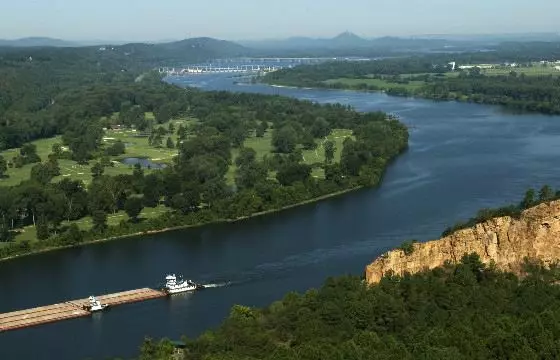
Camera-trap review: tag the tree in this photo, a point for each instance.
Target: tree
(320, 128)
(546, 194)
(157, 141)
(246, 156)
(170, 144)
(249, 175)
(185, 202)
(41, 173)
(181, 132)
(118, 148)
(3, 167)
(57, 149)
(261, 129)
(97, 170)
(29, 153)
(133, 207)
(99, 219)
(529, 199)
(42, 229)
(285, 139)
(293, 172)
(75, 197)
(152, 190)
(330, 149)
(308, 141)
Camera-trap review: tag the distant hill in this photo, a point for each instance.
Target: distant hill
(133, 55)
(353, 43)
(37, 42)
(184, 51)
(344, 40)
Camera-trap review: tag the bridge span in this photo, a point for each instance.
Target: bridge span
(212, 69)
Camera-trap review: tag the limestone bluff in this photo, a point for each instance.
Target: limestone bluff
(505, 240)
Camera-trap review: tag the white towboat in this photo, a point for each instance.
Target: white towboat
(94, 305)
(174, 286)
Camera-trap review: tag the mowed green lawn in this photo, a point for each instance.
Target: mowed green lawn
(263, 146)
(380, 83)
(136, 146)
(29, 233)
(528, 71)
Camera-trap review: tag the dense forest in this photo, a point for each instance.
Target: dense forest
(38, 85)
(194, 187)
(431, 76)
(461, 311)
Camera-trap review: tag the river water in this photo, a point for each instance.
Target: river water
(462, 157)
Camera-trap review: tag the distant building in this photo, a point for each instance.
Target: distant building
(480, 66)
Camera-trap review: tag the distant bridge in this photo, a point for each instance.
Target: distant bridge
(211, 69)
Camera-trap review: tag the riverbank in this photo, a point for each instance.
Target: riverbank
(431, 91)
(181, 227)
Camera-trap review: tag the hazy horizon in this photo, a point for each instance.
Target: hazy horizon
(249, 20)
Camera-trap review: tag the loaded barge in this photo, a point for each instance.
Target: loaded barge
(85, 307)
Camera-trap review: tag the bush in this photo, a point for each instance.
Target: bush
(408, 247)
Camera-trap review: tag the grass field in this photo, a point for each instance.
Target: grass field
(263, 146)
(528, 71)
(138, 147)
(29, 233)
(381, 84)
(135, 147)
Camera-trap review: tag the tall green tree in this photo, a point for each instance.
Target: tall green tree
(330, 149)
(133, 207)
(284, 140)
(3, 167)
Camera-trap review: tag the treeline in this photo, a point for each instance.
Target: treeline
(464, 311)
(532, 198)
(194, 187)
(316, 75)
(516, 91)
(520, 92)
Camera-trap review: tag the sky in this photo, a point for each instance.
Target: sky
(156, 20)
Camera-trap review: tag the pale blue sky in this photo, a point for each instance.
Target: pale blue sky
(255, 19)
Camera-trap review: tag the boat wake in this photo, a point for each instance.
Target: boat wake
(217, 285)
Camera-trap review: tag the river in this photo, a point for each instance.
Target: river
(462, 157)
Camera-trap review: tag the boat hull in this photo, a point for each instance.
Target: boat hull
(181, 290)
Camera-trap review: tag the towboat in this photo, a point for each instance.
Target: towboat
(174, 286)
(94, 305)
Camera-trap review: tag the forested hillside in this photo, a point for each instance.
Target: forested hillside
(193, 188)
(465, 311)
(37, 84)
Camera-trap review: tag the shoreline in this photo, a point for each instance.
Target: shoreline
(183, 227)
(505, 107)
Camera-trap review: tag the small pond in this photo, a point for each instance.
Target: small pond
(145, 163)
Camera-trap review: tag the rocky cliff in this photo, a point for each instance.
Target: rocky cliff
(507, 241)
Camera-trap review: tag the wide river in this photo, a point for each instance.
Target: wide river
(462, 157)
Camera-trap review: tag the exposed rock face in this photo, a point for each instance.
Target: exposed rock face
(506, 241)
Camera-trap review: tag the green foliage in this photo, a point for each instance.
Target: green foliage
(133, 207)
(463, 311)
(284, 139)
(408, 247)
(3, 167)
(116, 149)
(212, 155)
(430, 76)
(330, 149)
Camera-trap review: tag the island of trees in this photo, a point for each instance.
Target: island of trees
(213, 173)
